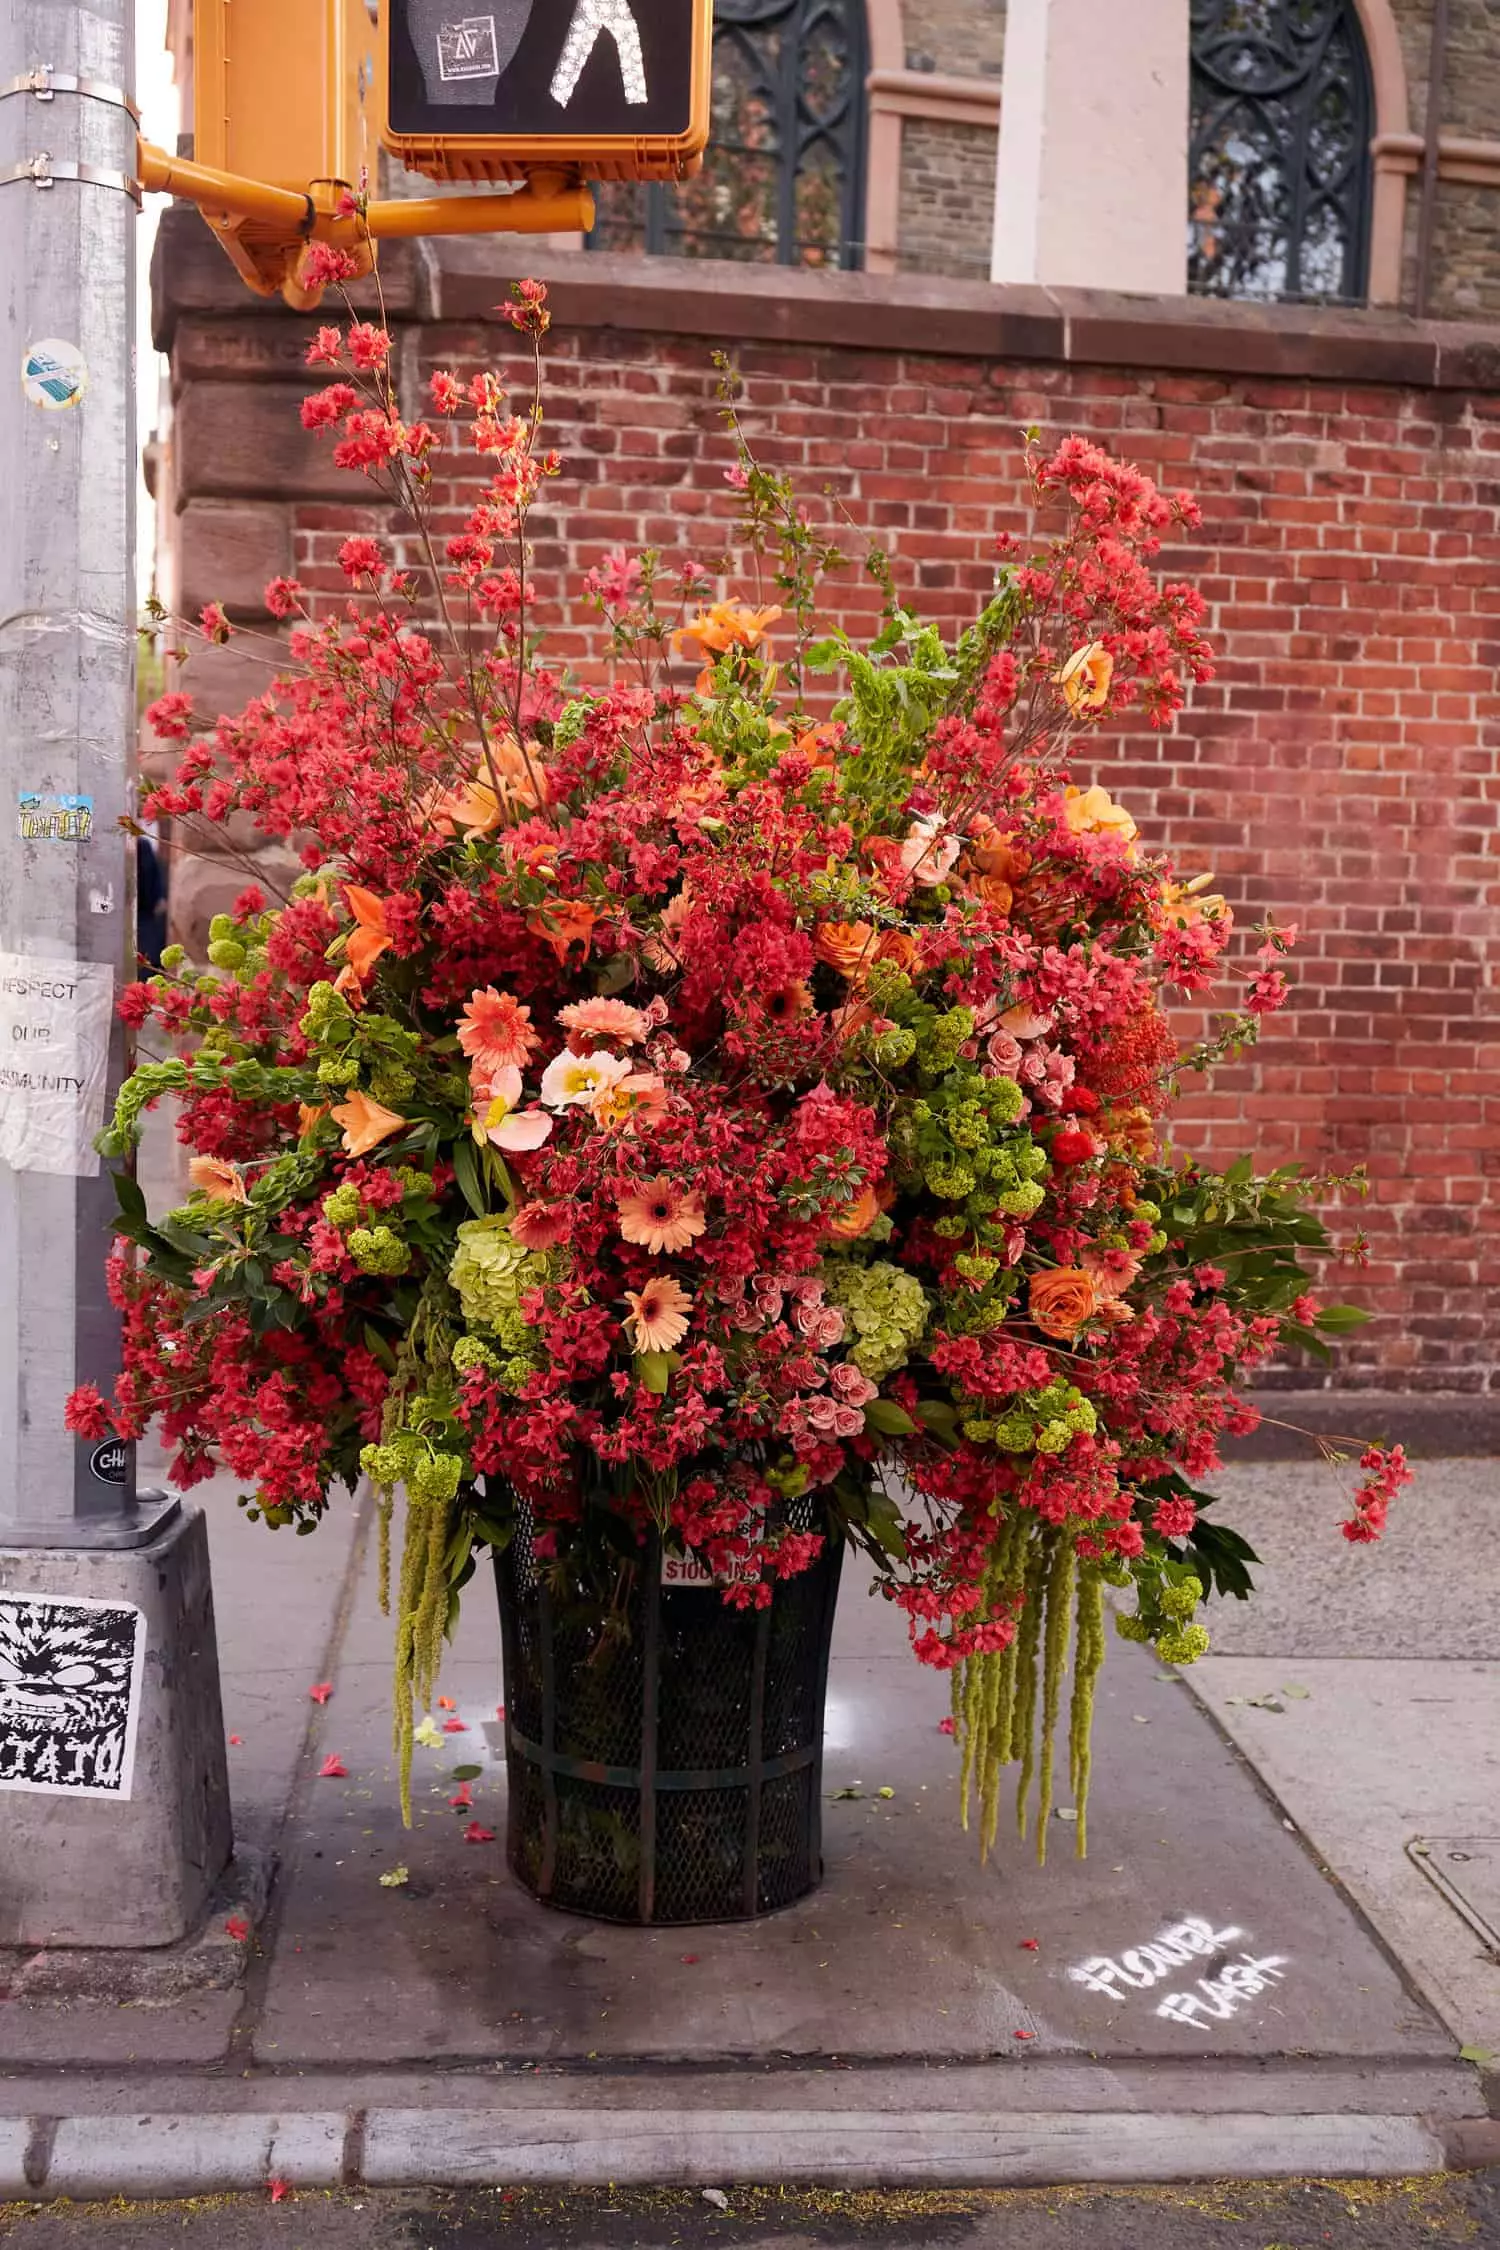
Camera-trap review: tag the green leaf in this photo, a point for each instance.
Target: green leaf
(1293, 1332)
(130, 1200)
(1480, 2055)
(883, 1519)
(1220, 1556)
(653, 1369)
(939, 1416)
(1336, 1319)
(379, 1349)
(467, 1773)
(466, 1172)
(888, 1419)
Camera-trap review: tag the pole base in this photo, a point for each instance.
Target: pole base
(139, 1525)
(114, 1789)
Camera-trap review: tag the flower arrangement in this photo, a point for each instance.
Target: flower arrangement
(655, 1103)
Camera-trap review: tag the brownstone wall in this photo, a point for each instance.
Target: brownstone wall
(1343, 770)
(947, 197)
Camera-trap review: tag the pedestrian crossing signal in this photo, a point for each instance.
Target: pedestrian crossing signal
(497, 89)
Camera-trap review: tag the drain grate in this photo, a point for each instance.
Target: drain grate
(1466, 1869)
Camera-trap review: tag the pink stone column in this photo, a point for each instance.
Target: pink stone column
(1091, 184)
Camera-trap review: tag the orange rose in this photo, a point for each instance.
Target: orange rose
(990, 890)
(845, 946)
(1062, 1300)
(895, 945)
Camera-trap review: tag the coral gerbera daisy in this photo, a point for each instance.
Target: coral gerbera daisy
(603, 1018)
(661, 1216)
(220, 1182)
(657, 1319)
(495, 1030)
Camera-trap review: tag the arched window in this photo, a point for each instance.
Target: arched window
(1279, 154)
(783, 181)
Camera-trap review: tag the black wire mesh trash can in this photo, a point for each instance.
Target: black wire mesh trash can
(665, 1766)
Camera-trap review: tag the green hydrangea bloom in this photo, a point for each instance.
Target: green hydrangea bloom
(492, 1272)
(885, 1309)
(1182, 1599)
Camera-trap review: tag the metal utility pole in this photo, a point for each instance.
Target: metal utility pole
(113, 1800)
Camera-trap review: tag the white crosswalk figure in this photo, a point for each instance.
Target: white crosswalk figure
(590, 18)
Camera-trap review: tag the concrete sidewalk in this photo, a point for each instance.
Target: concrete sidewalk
(921, 2019)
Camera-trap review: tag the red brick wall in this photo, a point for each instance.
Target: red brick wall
(1340, 772)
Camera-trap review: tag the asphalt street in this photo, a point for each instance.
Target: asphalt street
(1423, 2214)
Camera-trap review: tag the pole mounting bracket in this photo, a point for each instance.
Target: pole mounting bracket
(45, 83)
(44, 171)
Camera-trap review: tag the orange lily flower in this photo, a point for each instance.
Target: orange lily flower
(723, 626)
(821, 743)
(1085, 679)
(370, 937)
(366, 1123)
(564, 923)
(856, 1218)
(308, 1116)
(726, 625)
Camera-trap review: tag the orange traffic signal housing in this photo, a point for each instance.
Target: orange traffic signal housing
(498, 89)
(283, 90)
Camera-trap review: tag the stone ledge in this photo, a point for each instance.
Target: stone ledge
(462, 279)
(1432, 1425)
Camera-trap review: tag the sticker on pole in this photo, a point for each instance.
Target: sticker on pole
(55, 1019)
(70, 1693)
(48, 816)
(109, 1462)
(54, 374)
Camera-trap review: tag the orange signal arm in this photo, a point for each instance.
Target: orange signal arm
(266, 229)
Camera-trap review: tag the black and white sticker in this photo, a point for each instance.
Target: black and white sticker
(70, 1689)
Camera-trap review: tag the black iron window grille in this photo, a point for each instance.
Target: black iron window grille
(783, 180)
(1279, 150)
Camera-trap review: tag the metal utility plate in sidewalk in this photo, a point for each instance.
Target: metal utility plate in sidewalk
(1200, 1926)
(1466, 1869)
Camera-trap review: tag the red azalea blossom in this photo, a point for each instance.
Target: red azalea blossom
(333, 1768)
(475, 1834)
